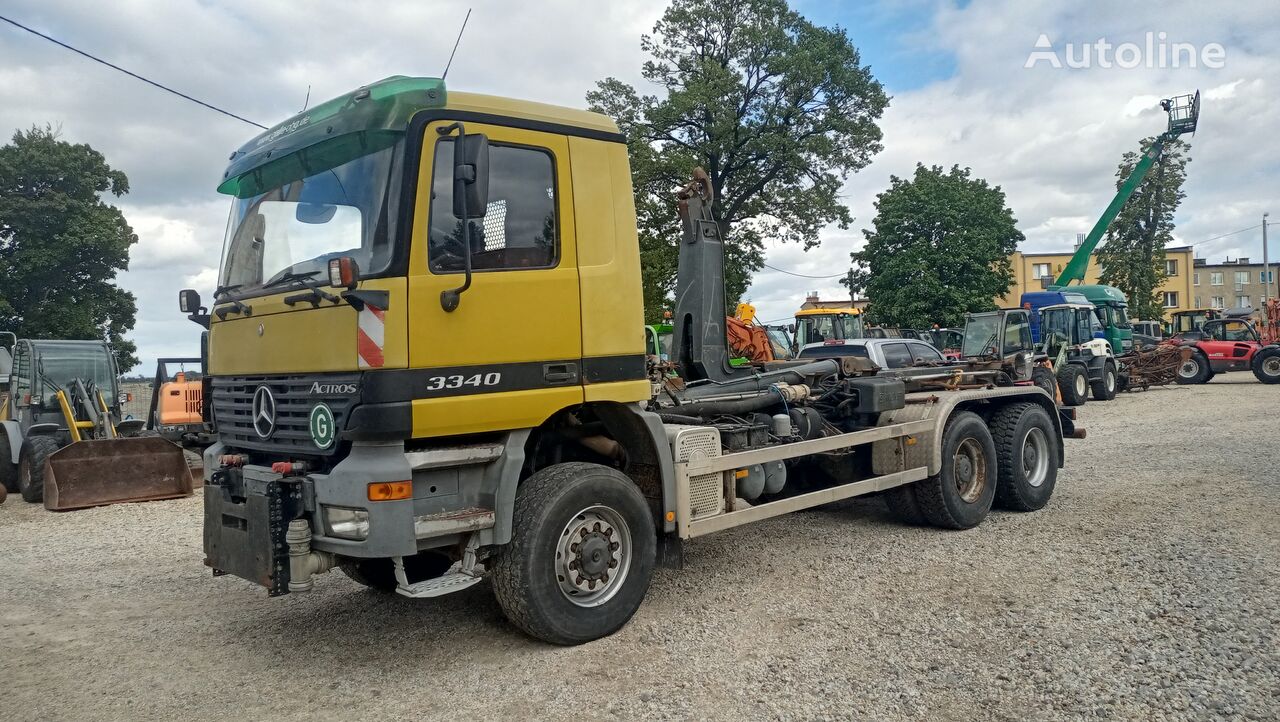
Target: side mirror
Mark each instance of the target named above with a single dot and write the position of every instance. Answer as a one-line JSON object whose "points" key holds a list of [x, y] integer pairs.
{"points": [[189, 301], [344, 272], [471, 176]]}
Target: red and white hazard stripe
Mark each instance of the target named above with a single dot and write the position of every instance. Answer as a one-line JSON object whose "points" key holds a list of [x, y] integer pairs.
{"points": [[369, 337]]}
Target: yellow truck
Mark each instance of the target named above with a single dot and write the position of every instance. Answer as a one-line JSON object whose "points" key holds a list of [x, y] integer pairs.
{"points": [[381, 410]]}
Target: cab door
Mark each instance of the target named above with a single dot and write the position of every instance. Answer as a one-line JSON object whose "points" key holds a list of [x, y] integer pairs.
{"points": [[510, 354], [1230, 344]]}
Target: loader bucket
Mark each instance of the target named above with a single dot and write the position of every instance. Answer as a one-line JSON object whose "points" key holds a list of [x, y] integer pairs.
{"points": [[113, 471]]}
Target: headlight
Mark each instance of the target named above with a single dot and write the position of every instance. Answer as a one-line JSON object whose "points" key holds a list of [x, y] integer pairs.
{"points": [[346, 523]]}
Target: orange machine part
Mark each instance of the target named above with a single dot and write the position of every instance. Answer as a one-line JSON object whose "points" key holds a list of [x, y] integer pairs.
{"points": [[179, 402], [748, 340]]}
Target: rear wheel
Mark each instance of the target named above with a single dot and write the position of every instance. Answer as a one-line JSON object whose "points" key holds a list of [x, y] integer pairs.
{"points": [[1195, 369], [1027, 454], [961, 494], [35, 451], [1104, 389], [1073, 384], [581, 554], [8, 469], [1266, 366]]}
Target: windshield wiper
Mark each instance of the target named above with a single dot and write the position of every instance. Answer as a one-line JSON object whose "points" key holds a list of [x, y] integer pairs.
{"points": [[223, 290], [315, 293]]}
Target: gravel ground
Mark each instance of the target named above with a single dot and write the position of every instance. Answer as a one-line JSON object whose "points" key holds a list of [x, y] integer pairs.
{"points": [[1148, 589]]}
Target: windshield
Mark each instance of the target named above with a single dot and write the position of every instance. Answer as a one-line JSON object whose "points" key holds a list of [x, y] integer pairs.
{"points": [[1056, 323], [1118, 316], [62, 364], [816, 329], [297, 227], [980, 336]]}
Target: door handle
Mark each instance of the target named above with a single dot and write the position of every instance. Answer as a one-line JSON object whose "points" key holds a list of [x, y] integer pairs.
{"points": [[559, 373]]}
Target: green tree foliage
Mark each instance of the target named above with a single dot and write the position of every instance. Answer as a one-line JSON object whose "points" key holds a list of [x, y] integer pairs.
{"points": [[61, 245], [776, 109], [940, 248], [1132, 257]]}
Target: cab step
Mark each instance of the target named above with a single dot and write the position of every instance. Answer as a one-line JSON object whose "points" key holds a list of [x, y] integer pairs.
{"points": [[450, 582]]}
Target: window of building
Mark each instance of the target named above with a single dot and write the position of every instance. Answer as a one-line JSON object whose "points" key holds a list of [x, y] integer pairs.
{"points": [[1170, 299], [1040, 270], [1195, 278], [1171, 267], [1215, 278], [1265, 277], [1216, 302], [1242, 301], [1197, 302], [519, 229], [1242, 277]]}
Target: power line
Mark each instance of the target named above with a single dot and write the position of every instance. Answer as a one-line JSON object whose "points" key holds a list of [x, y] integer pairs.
{"points": [[804, 275], [1224, 235], [129, 73]]}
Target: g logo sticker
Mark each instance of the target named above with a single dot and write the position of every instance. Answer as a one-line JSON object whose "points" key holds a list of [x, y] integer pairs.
{"points": [[323, 429]]}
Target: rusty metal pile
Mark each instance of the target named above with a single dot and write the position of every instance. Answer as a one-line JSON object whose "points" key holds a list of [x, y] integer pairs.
{"points": [[1153, 365]]}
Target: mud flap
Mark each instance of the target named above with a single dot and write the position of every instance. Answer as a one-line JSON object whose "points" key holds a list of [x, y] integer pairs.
{"points": [[245, 521], [114, 471]]}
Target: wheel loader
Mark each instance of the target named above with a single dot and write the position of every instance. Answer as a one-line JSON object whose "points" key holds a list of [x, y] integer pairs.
{"points": [[64, 442]]}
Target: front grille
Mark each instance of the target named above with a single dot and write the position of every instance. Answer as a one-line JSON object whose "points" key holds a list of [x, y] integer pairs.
{"points": [[233, 410]]}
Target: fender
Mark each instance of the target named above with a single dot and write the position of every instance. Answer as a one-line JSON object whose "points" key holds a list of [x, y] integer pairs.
{"points": [[14, 433]]}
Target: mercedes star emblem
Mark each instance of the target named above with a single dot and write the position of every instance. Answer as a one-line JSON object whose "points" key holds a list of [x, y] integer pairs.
{"points": [[264, 413]]}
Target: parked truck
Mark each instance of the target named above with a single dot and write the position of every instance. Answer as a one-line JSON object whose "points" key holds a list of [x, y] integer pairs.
{"points": [[378, 411]]}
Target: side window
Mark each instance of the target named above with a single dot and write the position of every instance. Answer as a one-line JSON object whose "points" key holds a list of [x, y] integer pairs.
{"points": [[1238, 331], [22, 372], [896, 355], [920, 353], [519, 229], [1017, 333]]}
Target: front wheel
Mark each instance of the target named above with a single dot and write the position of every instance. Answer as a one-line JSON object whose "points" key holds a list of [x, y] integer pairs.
{"points": [[1194, 370], [8, 469], [1043, 377], [961, 494], [1266, 366], [35, 451], [581, 554], [1073, 384]]}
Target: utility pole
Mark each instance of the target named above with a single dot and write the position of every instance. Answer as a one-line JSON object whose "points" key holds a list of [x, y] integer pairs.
{"points": [[1266, 265]]}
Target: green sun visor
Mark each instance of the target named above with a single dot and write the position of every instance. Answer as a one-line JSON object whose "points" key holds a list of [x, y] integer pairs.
{"points": [[363, 121]]}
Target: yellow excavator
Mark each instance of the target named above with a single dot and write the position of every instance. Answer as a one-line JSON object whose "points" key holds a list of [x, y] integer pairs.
{"points": [[64, 442]]}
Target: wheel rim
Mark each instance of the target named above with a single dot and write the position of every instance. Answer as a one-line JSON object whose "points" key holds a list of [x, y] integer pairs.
{"points": [[969, 467], [1271, 366], [1111, 380], [593, 556], [1189, 369], [1035, 457], [1081, 384]]}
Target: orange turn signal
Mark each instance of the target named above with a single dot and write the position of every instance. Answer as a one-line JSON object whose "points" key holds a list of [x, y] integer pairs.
{"points": [[671, 516], [390, 490], [741, 474]]}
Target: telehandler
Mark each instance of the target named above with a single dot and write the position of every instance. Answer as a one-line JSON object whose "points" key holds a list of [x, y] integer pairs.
{"points": [[379, 411]]}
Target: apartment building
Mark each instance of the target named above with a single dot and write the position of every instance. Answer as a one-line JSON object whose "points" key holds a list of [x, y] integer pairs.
{"points": [[1230, 284], [1031, 269]]}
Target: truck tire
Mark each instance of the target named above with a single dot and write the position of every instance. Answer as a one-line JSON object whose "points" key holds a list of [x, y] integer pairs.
{"points": [[1195, 370], [1104, 389], [1026, 455], [581, 554], [8, 469], [1073, 384], [961, 494], [1043, 377], [1122, 381], [1266, 365], [902, 504], [380, 574], [35, 451]]}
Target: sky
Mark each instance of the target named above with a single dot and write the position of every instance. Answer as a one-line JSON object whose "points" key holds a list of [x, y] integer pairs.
{"points": [[1050, 137]]}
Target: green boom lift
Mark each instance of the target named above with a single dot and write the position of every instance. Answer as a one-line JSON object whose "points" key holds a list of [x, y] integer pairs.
{"points": [[1184, 112]]}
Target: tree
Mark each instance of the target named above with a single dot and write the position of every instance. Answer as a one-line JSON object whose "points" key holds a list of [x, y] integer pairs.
{"points": [[940, 248], [1132, 258], [61, 245], [777, 110]]}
